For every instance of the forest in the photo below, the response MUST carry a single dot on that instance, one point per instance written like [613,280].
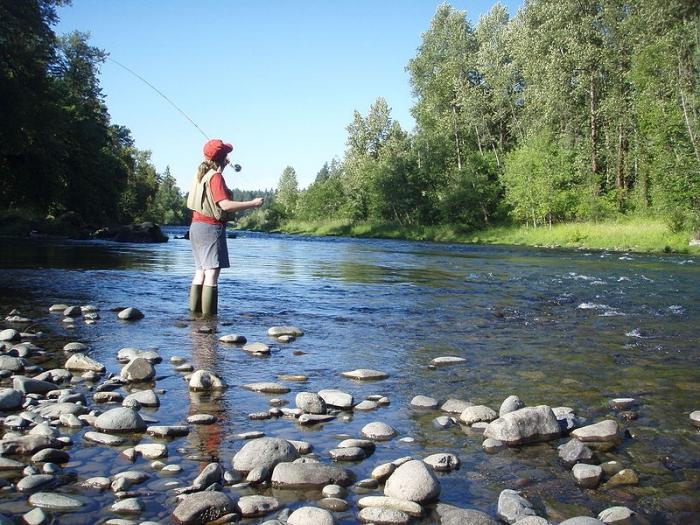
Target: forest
[570,110]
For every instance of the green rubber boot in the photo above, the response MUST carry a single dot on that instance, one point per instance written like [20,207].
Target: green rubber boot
[210,296]
[196,298]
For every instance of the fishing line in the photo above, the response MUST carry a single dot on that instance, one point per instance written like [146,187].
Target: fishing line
[160,93]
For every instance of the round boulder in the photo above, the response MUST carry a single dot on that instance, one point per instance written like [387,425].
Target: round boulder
[265,453]
[120,420]
[413,481]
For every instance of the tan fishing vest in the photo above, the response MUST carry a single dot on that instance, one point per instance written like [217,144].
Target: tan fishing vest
[200,199]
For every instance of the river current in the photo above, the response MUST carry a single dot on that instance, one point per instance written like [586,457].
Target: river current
[560,328]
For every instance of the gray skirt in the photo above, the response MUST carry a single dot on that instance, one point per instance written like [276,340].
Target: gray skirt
[209,245]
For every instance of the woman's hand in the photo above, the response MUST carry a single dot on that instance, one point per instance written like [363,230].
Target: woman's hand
[257,202]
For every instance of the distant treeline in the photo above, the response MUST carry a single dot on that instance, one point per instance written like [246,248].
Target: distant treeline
[59,152]
[572,110]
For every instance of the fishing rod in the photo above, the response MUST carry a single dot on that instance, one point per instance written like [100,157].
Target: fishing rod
[236,167]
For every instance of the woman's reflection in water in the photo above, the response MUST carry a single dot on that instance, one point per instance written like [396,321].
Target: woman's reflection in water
[206,439]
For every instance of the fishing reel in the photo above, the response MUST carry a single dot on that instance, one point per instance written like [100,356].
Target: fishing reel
[237,167]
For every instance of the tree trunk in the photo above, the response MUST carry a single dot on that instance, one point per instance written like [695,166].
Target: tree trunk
[454,121]
[620,182]
[594,131]
[478,140]
[688,123]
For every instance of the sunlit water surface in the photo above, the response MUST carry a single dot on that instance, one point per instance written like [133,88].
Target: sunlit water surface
[559,328]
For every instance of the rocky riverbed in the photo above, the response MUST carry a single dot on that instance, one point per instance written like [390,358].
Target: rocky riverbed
[86,441]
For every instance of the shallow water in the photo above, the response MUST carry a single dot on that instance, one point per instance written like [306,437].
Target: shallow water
[560,328]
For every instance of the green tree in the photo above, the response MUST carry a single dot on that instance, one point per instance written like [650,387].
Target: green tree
[168,205]
[287,190]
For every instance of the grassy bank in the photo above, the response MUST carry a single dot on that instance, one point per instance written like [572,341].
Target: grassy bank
[636,234]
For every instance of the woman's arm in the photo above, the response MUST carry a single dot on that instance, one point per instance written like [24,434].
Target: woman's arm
[228,205]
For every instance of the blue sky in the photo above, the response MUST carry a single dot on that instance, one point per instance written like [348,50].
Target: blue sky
[278,79]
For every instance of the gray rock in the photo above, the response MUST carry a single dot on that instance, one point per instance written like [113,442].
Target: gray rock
[573,451]
[310,402]
[130,314]
[205,381]
[277,331]
[624,477]
[76,347]
[383,516]
[524,425]
[104,439]
[510,404]
[333,504]
[128,506]
[442,462]
[7,464]
[581,520]
[491,445]
[152,450]
[603,431]
[455,406]
[336,398]
[27,385]
[122,419]
[443,422]
[12,364]
[202,507]
[513,507]
[83,363]
[202,419]
[334,491]
[450,515]
[53,501]
[10,399]
[73,311]
[347,454]
[448,360]
[237,339]
[588,476]
[378,431]
[168,431]
[476,414]
[253,506]
[366,405]
[212,473]
[309,475]
[532,520]
[365,374]
[310,516]
[60,307]
[424,402]
[145,398]
[50,455]
[56,410]
[256,348]
[29,444]
[618,516]
[410,508]
[267,388]
[34,482]
[33,517]
[622,403]
[138,369]
[264,452]
[9,335]
[413,481]
[695,418]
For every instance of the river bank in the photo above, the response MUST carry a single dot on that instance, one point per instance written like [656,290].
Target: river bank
[630,235]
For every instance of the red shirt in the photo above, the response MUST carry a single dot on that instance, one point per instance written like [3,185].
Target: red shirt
[220,192]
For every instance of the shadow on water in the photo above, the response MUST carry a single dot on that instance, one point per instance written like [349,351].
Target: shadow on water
[559,328]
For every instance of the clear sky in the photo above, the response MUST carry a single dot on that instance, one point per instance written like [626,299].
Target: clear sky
[280,79]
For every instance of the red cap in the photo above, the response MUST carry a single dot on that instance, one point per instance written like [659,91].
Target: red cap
[215,149]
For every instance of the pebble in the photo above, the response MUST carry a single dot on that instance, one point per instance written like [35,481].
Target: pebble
[254,505]
[617,516]
[201,419]
[695,418]
[622,403]
[383,516]
[104,439]
[624,477]
[378,431]
[337,398]
[168,431]
[510,404]
[491,445]
[334,491]
[409,507]
[310,403]
[75,347]
[348,454]
[333,504]
[513,507]
[477,413]
[277,331]
[366,405]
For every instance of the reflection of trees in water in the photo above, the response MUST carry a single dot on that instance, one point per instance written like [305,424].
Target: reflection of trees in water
[206,438]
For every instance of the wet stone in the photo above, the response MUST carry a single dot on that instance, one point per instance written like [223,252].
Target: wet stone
[622,403]
[624,477]
[365,374]
[201,419]
[695,418]
[378,431]
[128,506]
[573,451]
[237,339]
[75,347]
[257,348]
[309,475]
[424,402]
[383,516]
[145,398]
[476,414]
[347,454]
[409,507]
[334,491]
[310,403]
[310,516]
[413,481]
[253,506]
[168,431]
[312,419]
[491,445]
[448,361]
[603,431]
[120,420]
[442,462]
[336,398]
[334,504]
[202,507]
[277,331]
[205,381]
[617,516]
[73,311]
[267,388]
[52,501]
[443,422]
[138,369]
[455,406]
[104,439]
[295,378]
[513,507]
[130,314]
[510,404]
[588,476]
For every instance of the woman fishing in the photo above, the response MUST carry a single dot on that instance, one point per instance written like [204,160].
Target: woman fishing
[211,203]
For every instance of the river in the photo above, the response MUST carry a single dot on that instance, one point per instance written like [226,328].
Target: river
[555,327]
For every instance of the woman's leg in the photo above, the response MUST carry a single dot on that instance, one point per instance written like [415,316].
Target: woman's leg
[196,291]
[210,291]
